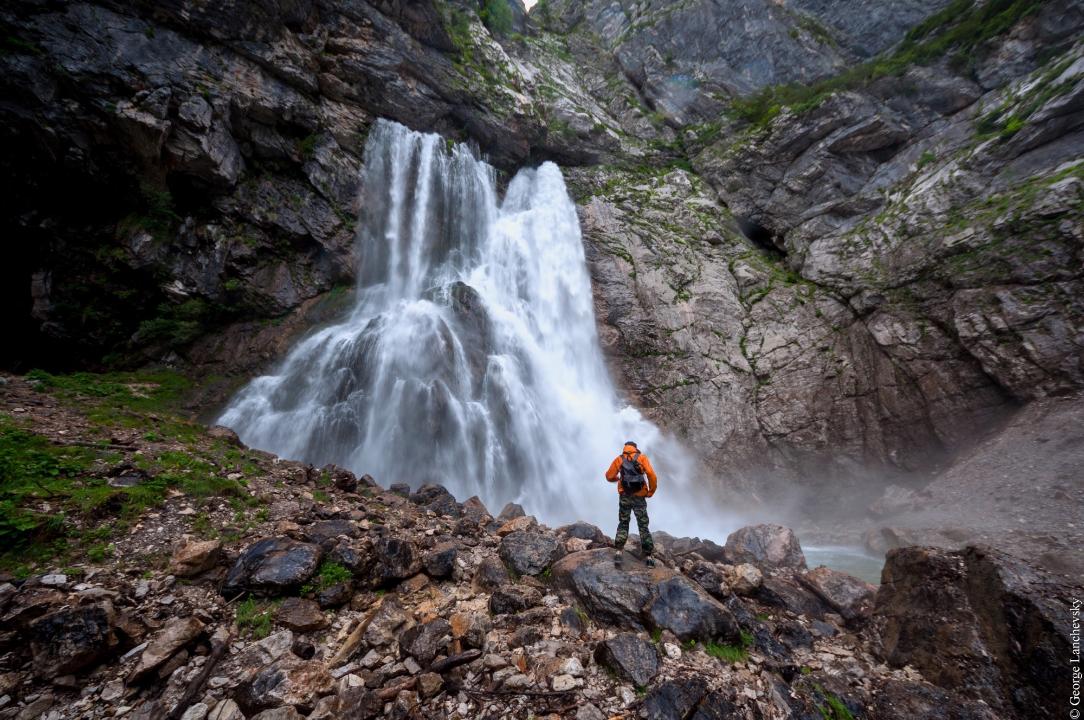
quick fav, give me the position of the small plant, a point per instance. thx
(926, 158)
(656, 635)
(329, 574)
(836, 709)
(726, 652)
(101, 551)
(320, 496)
(254, 617)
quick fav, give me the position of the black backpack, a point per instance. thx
(633, 479)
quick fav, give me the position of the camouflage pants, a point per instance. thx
(628, 505)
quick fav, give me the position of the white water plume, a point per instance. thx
(470, 358)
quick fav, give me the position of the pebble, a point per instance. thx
(54, 580)
(672, 651)
(561, 683)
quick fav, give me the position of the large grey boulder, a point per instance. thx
(851, 597)
(69, 640)
(766, 546)
(272, 566)
(529, 553)
(685, 610)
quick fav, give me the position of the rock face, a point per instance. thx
(850, 597)
(272, 566)
(768, 547)
(978, 623)
(529, 553)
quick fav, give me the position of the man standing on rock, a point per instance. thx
(636, 482)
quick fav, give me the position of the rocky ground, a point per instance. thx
(201, 579)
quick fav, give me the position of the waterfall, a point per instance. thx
(470, 357)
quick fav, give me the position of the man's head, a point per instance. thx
(629, 443)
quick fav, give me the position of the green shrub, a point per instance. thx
(497, 16)
(254, 617)
(329, 575)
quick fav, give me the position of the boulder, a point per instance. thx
(323, 531)
(743, 579)
(355, 556)
(769, 547)
(630, 656)
(424, 641)
(400, 489)
(385, 624)
(787, 594)
(584, 531)
(71, 639)
(513, 599)
(510, 511)
(524, 522)
(300, 615)
(166, 642)
(689, 613)
(440, 561)
(226, 710)
(470, 628)
(529, 553)
(475, 509)
(490, 575)
(272, 566)
(195, 557)
(220, 432)
(677, 547)
(438, 499)
(979, 623)
(335, 595)
(847, 595)
(341, 478)
(674, 699)
(288, 681)
(395, 559)
(923, 701)
(709, 576)
(615, 596)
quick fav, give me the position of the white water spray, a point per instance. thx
(471, 357)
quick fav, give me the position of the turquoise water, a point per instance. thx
(853, 560)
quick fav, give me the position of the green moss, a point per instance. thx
(329, 575)
(307, 145)
(497, 16)
(928, 157)
(726, 652)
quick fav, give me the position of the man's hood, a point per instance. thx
(630, 450)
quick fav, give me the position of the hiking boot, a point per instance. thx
(618, 559)
(649, 561)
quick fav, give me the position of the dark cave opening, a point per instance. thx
(761, 236)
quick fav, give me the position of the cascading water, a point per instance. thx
(470, 357)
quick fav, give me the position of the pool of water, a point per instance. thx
(853, 560)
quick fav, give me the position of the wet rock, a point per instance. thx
(673, 699)
(978, 623)
(272, 566)
(425, 640)
(167, 641)
(630, 656)
(513, 599)
(689, 613)
(440, 561)
(849, 596)
(490, 575)
(529, 553)
(710, 577)
(69, 640)
(195, 557)
(765, 546)
(510, 512)
(571, 619)
(395, 559)
(300, 615)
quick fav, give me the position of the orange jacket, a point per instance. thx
(615, 466)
